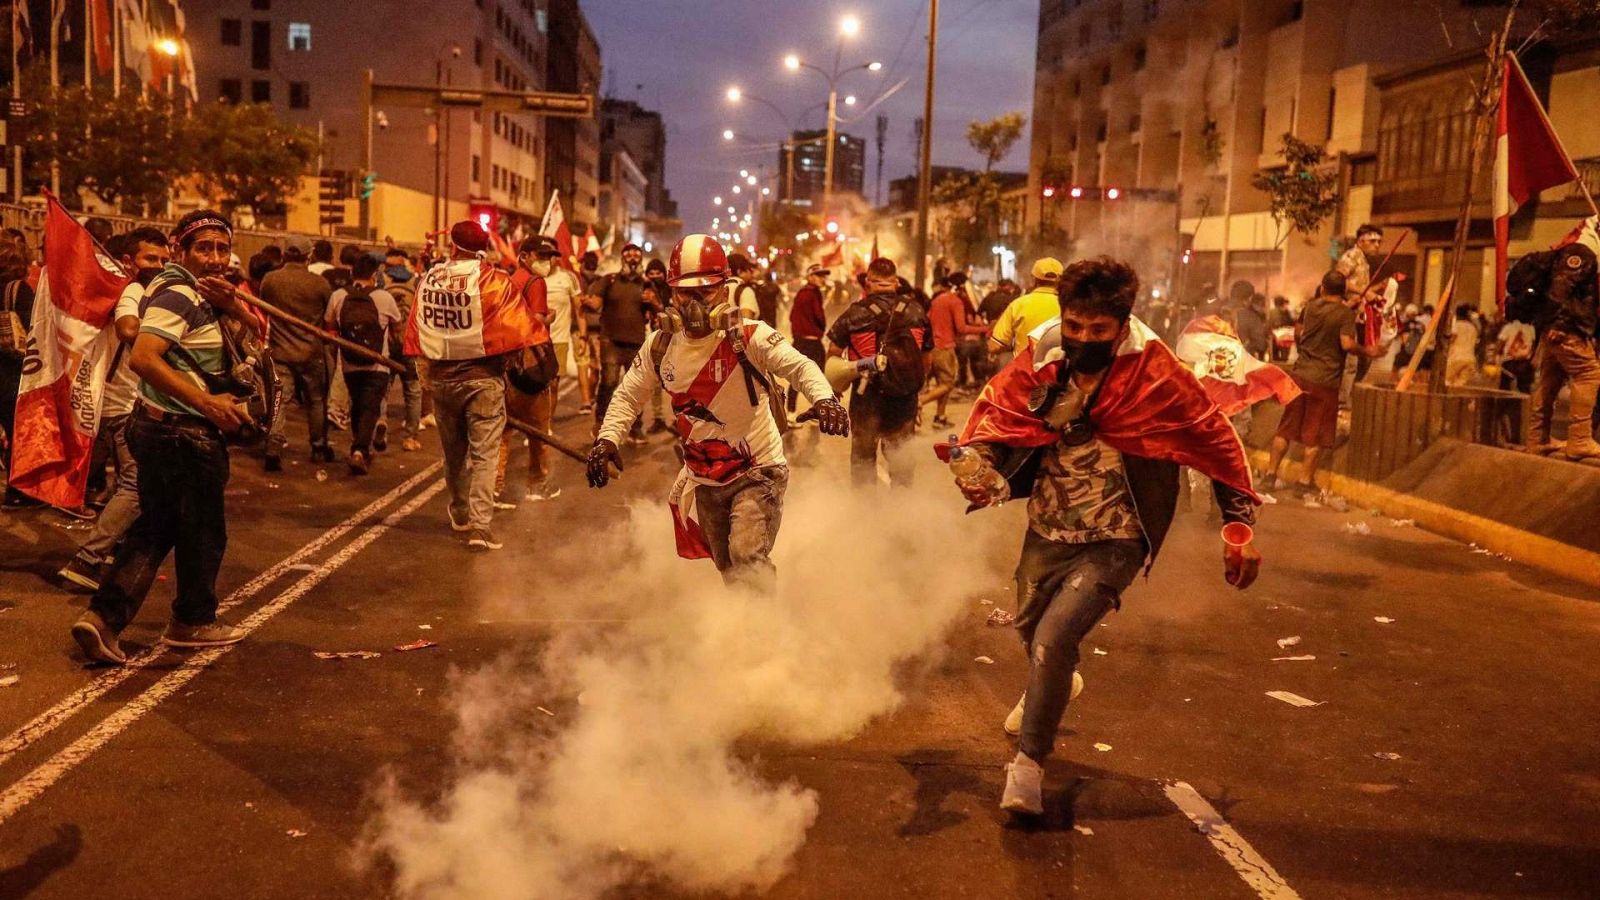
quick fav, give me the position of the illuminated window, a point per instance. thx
(299, 35)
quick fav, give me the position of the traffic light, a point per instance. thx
(332, 190)
(369, 183)
(485, 214)
(1048, 192)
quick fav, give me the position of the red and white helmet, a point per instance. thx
(697, 261)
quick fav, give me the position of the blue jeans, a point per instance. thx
(183, 468)
(1063, 591)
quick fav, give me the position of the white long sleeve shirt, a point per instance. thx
(721, 432)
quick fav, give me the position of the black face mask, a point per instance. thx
(1088, 357)
(145, 276)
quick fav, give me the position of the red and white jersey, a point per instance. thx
(722, 433)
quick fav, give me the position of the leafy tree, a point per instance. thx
(1304, 193)
(994, 139)
(975, 197)
(248, 157)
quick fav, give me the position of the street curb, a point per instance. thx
(1521, 546)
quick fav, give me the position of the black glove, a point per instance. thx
(831, 417)
(602, 456)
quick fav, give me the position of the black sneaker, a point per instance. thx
(359, 464)
(80, 573)
(482, 540)
(380, 437)
(322, 453)
(98, 641)
(215, 634)
(659, 426)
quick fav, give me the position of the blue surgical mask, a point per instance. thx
(398, 274)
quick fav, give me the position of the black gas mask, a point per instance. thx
(697, 312)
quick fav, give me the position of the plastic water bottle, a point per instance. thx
(972, 471)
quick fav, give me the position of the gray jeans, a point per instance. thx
(740, 521)
(122, 510)
(1063, 590)
(472, 417)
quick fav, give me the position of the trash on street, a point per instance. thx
(1293, 699)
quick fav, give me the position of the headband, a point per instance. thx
(199, 224)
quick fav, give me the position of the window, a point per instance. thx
(477, 52)
(261, 46)
(1100, 133)
(299, 95)
(300, 36)
(261, 5)
(232, 33)
(542, 19)
(1152, 8)
(260, 92)
(230, 90)
(477, 168)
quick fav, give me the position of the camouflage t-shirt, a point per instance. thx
(1082, 496)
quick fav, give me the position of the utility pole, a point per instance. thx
(16, 100)
(925, 175)
(827, 164)
(438, 138)
(882, 134)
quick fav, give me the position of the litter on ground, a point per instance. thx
(1306, 658)
(998, 616)
(1383, 620)
(345, 654)
(1361, 528)
(1292, 699)
(1099, 652)
(1084, 830)
(9, 680)
(1385, 755)
(545, 711)
(1403, 523)
(1288, 641)
(984, 659)
(418, 644)
(1103, 748)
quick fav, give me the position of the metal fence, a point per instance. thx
(1389, 429)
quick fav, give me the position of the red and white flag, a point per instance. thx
(1233, 378)
(64, 372)
(555, 226)
(1528, 158)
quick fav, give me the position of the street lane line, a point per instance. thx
(1229, 844)
(55, 716)
(30, 786)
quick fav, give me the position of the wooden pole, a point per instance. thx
(1427, 338)
(321, 333)
(550, 440)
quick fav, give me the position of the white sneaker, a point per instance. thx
(1024, 787)
(457, 526)
(542, 492)
(1013, 724)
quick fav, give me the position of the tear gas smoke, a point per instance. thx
(647, 775)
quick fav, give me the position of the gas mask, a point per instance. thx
(698, 313)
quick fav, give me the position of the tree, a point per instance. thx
(248, 157)
(1304, 193)
(974, 197)
(994, 139)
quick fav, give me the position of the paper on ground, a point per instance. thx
(1292, 699)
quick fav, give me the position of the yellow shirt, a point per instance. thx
(1026, 313)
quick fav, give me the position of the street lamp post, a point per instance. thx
(925, 175)
(441, 124)
(849, 27)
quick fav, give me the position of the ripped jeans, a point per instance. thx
(1063, 590)
(740, 521)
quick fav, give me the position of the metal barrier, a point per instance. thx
(1389, 429)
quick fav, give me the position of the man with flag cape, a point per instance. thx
(1090, 422)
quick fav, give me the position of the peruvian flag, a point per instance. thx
(1528, 158)
(1233, 378)
(103, 51)
(1150, 405)
(555, 226)
(64, 373)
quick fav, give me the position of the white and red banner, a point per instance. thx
(64, 373)
(555, 226)
(1233, 378)
(467, 309)
(1528, 158)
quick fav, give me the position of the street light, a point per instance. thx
(727, 134)
(745, 173)
(750, 180)
(850, 100)
(791, 62)
(734, 94)
(716, 201)
(850, 26)
(168, 46)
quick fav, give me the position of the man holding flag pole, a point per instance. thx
(1529, 158)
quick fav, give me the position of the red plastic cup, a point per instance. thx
(1237, 534)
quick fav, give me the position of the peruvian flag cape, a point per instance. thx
(467, 309)
(64, 373)
(1149, 406)
(1232, 378)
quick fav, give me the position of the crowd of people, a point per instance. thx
(1080, 407)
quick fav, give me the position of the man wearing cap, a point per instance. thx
(728, 500)
(295, 289)
(808, 321)
(179, 438)
(1028, 312)
(620, 299)
(466, 323)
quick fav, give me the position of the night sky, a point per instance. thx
(680, 57)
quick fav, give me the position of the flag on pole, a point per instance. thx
(1528, 158)
(1233, 378)
(103, 54)
(64, 373)
(554, 225)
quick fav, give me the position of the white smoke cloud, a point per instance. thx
(647, 771)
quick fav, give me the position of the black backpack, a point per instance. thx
(360, 323)
(902, 374)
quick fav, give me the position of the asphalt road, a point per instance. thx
(1451, 754)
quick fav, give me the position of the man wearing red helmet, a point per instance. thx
(717, 368)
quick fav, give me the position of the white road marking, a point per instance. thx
(52, 718)
(33, 784)
(1229, 844)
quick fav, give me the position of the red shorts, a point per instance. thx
(1313, 417)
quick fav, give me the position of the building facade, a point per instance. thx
(804, 183)
(1177, 103)
(572, 146)
(306, 58)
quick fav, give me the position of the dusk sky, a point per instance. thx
(680, 57)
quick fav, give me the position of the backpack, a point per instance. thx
(360, 323)
(13, 337)
(901, 372)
